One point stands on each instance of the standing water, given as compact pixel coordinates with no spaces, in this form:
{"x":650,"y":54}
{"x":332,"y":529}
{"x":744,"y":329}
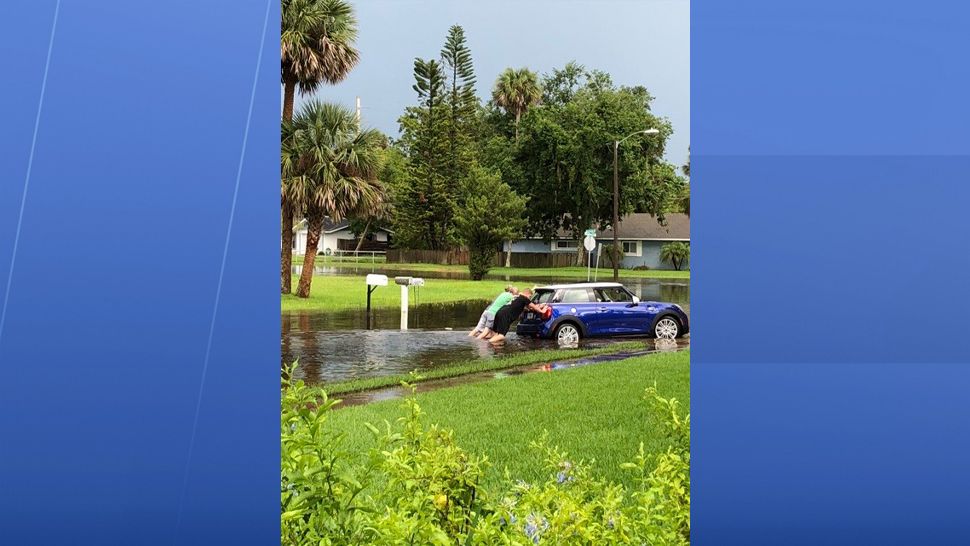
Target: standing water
{"x":337,"y":346}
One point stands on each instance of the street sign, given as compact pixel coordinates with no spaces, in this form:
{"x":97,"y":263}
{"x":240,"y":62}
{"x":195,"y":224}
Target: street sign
{"x":590,"y":233}
{"x":589,"y":243}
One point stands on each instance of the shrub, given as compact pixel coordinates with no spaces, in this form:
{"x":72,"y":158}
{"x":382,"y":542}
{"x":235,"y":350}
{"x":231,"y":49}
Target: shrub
{"x":677,"y":253}
{"x":416,"y":486}
{"x":491,"y":213}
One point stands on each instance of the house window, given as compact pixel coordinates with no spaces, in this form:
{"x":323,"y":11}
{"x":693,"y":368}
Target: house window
{"x":631,"y":248}
{"x":564,"y":245}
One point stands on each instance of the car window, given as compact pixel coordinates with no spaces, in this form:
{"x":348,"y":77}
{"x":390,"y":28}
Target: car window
{"x":543,"y":296}
{"x":613,"y":294}
{"x":575,"y":295}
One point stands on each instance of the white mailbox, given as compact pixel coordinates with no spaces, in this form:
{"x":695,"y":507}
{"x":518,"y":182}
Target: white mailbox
{"x":416,"y":281}
{"x":376,"y":280}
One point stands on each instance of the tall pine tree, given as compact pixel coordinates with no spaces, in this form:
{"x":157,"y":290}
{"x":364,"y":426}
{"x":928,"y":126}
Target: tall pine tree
{"x":425,"y":200}
{"x":437,"y":137}
{"x":462,"y":104}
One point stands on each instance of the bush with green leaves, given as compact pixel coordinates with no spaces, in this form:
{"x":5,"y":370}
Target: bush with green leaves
{"x":677,"y":253}
{"x":490,"y":214}
{"x":417,"y":486}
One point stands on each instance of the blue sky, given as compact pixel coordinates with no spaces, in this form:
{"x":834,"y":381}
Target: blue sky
{"x":639,"y":42}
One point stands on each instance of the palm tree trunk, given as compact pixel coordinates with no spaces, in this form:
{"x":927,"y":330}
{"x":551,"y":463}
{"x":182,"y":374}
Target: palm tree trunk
{"x":314,"y":221}
{"x":286,"y":252}
{"x":360,"y":238}
{"x":286,"y":209}
{"x":508,"y":255}
{"x":518,"y":114}
{"x":289,"y":90}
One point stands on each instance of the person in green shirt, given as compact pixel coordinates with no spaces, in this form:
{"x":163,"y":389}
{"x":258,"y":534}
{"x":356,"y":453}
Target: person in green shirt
{"x":484,"y":326}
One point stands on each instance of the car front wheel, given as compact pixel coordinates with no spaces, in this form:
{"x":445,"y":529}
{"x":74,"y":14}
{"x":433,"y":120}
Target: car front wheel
{"x":666,"y":328}
{"x":567,"y":334}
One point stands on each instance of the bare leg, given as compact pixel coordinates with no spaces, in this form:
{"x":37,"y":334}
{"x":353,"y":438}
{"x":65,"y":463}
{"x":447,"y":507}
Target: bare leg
{"x":496,"y":339}
{"x":484,"y":334}
{"x":473,"y":333}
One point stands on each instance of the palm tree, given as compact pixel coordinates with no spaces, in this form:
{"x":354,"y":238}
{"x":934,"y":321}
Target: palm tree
{"x":516,"y":91}
{"x":330,"y":167}
{"x":685,"y":202}
{"x":316,"y":46}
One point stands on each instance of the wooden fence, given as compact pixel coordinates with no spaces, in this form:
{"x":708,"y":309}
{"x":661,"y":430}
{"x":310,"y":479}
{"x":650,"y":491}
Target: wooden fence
{"x":461,"y":257}
{"x":370,"y":246}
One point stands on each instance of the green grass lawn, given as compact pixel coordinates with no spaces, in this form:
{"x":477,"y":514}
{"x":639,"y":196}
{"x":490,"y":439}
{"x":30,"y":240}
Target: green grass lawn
{"x":478,"y":365}
{"x":333,"y":293}
{"x":577,"y":273}
{"x":337,"y":293}
{"x":594,"y":412}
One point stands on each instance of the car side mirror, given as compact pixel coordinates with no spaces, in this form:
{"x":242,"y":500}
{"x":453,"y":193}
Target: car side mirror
{"x":636,"y":301}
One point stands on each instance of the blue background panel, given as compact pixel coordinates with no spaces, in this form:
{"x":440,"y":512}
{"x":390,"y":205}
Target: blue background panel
{"x":829,"y":258}
{"x":120,"y":256}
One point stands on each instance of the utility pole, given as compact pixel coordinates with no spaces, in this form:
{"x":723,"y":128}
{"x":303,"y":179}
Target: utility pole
{"x":616,"y":199}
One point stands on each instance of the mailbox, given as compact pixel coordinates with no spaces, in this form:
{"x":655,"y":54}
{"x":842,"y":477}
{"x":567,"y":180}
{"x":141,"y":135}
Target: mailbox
{"x":416,"y":281}
{"x":403,"y":281}
{"x":376,"y":280}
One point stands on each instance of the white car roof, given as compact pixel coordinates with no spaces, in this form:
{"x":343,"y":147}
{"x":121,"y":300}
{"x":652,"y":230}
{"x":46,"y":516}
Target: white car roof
{"x":580,"y":285}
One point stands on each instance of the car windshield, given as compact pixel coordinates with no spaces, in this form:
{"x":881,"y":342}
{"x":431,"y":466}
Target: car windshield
{"x":613,"y":294}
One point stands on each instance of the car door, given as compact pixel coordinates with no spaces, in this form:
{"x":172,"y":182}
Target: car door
{"x":579,"y":302}
{"x":620,"y":314}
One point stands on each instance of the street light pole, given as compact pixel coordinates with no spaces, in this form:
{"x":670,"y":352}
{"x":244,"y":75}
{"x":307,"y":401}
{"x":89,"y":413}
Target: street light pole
{"x":616,"y":199}
{"x":616,"y":211}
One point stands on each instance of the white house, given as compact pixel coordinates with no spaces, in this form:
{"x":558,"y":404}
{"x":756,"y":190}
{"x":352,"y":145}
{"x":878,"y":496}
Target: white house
{"x":640,"y":235}
{"x":338,"y":236}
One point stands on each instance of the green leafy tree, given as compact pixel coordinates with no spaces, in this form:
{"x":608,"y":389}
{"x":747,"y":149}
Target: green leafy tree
{"x":565,"y":153}
{"x":517,"y":90}
{"x":316,"y":46}
{"x":492,"y":213}
{"x":677,"y":253}
{"x":333,"y":167}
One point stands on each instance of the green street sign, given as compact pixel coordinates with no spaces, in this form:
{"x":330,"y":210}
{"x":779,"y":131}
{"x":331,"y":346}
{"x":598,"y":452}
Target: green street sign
{"x":590,"y":233}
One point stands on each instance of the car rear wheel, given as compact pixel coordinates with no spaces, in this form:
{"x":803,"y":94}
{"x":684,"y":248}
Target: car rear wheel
{"x":567,"y":334}
{"x":666,"y":328}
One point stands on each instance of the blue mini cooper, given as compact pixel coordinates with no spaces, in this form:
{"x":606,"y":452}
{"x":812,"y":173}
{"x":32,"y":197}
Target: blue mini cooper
{"x":600,"y":309}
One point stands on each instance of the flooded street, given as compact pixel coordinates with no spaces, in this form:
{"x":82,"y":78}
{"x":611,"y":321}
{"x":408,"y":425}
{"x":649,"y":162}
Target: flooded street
{"x":336,"y":346}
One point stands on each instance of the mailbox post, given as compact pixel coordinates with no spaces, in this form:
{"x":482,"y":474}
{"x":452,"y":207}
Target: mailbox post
{"x":406,"y":283}
{"x":373,"y":281}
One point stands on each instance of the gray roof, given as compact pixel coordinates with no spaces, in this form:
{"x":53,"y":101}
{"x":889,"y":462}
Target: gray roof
{"x":329,"y":226}
{"x":646,"y":226}
{"x":642,"y":226}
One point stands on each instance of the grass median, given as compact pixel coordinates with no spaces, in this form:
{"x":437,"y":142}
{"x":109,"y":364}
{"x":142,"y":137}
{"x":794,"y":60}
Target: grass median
{"x":339,"y":293}
{"x":595,"y":412}
{"x":477,"y":365}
